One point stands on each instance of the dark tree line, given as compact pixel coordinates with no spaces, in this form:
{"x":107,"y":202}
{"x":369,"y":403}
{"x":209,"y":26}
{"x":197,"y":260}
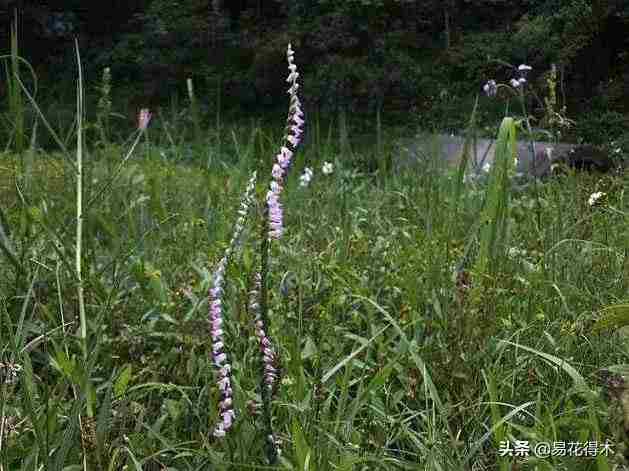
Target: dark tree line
{"x":355,"y":53}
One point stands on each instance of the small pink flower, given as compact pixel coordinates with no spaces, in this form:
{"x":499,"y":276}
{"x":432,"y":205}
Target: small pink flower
{"x":224,"y":384}
{"x":220,"y":358}
{"x":297,"y":120}
{"x":143,"y":119}
{"x":266,"y":346}
{"x":277,"y":172}
{"x":293,"y":140}
{"x":228,"y":418}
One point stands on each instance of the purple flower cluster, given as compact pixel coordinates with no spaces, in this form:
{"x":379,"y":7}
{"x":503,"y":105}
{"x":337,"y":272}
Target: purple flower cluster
{"x":219,"y":356}
{"x":295,"y":122}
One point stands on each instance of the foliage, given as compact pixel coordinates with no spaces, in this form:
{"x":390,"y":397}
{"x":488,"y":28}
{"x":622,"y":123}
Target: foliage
{"x":560,"y":36}
{"x":359,"y":54}
{"x":372,"y":328}
{"x":392,"y":353}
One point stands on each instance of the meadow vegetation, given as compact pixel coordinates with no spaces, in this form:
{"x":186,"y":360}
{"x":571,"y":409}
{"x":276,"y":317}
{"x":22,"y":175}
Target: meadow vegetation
{"x":419,"y":320}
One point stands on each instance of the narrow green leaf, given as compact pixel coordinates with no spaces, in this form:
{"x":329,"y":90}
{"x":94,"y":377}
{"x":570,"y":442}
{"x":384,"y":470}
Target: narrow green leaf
{"x":102,"y":423}
{"x":302,"y":450}
{"x":352,"y":355}
{"x":121,"y":384}
{"x":614,"y":317}
{"x":578,"y":380}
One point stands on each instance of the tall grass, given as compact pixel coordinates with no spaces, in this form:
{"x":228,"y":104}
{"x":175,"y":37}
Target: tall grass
{"x":16,"y":109}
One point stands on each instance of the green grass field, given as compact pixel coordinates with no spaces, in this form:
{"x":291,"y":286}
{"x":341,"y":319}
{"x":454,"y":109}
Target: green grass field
{"x":419,"y":322}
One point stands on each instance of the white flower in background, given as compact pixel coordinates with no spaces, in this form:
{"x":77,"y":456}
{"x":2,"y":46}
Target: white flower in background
{"x":491,"y":88}
{"x":515,"y":252}
{"x":305,"y":177}
{"x":486,"y":167}
{"x":524,"y":68}
{"x":594,"y":197}
{"x":328,"y":168}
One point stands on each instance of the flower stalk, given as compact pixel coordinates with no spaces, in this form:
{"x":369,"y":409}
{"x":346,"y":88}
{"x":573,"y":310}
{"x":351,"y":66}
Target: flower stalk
{"x":292,"y":138}
{"x":272,"y":228}
{"x":219,"y":352}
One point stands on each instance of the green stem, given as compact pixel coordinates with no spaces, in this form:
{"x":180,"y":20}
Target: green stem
{"x":265,"y":393}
